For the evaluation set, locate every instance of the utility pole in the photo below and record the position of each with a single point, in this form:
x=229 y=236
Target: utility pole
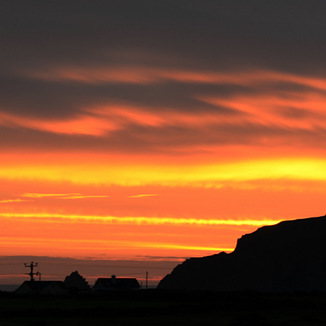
x=146 y=280
x=31 y=273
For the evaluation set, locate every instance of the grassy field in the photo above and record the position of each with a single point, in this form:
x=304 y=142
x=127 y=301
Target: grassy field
x=153 y=307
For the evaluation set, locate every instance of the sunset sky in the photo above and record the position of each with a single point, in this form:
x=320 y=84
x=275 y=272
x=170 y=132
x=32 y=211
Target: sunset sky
x=135 y=134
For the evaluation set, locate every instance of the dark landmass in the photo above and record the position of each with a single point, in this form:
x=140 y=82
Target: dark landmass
x=275 y=277
x=289 y=256
x=165 y=307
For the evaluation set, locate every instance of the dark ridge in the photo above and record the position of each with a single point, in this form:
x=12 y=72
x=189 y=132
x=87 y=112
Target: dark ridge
x=288 y=256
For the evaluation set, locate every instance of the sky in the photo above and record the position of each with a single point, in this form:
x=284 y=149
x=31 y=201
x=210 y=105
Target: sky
x=136 y=134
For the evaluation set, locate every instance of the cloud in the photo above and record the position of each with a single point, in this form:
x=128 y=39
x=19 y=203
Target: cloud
x=295 y=111
x=37 y=195
x=9 y=201
x=85 y=196
x=62 y=196
x=143 y=195
x=79 y=125
x=133 y=44
x=139 y=220
x=167 y=174
x=210 y=33
x=253 y=107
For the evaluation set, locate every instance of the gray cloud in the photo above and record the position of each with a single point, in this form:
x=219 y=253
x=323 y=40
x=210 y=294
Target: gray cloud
x=49 y=99
x=165 y=139
x=209 y=36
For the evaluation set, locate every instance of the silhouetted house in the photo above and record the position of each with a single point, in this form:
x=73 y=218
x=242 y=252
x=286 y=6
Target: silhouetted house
x=42 y=287
x=115 y=283
x=76 y=283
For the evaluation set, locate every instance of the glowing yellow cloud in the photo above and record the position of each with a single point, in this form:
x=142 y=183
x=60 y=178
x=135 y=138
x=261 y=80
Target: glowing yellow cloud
x=194 y=175
x=103 y=244
x=63 y=196
x=176 y=246
x=143 y=195
x=7 y=201
x=37 y=195
x=85 y=196
x=139 y=220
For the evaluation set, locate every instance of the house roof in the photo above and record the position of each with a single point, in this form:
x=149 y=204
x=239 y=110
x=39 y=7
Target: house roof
x=38 y=286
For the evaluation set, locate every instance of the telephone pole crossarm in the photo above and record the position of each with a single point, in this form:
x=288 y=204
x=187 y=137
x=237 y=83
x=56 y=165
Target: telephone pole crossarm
x=31 y=273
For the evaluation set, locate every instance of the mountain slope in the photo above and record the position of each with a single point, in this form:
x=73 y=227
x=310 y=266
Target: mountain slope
x=289 y=256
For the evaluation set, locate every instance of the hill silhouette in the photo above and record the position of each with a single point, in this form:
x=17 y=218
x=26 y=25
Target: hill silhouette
x=288 y=256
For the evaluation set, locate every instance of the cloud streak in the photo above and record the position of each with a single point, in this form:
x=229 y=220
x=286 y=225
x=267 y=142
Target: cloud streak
x=62 y=196
x=9 y=201
x=208 y=175
x=250 y=106
x=139 y=220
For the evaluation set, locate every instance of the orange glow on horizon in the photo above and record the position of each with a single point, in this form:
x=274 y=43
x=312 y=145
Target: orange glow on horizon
x=103 y=245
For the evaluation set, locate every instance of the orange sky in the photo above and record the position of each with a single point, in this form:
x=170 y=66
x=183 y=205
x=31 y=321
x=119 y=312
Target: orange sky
x=62 y=208
x=123 y=142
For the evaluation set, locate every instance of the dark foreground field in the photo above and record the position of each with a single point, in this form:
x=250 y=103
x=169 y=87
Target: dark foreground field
x=153 y=307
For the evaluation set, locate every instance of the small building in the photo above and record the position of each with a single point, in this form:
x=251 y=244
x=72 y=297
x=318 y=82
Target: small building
x=43 y=288
x=76 y=283
x=114 y=283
